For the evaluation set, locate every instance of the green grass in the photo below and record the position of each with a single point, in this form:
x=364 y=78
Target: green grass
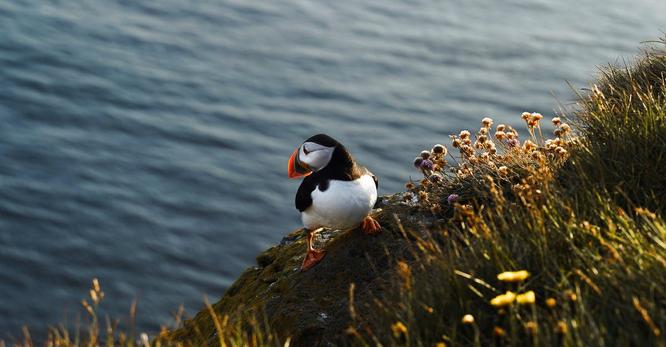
x=582 y=213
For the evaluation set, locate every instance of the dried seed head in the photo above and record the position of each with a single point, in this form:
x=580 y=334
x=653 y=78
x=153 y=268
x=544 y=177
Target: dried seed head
x=425 y=154
x=525 y=116
x=439 y=149
x=565 y=127
x=93 y=296
x=501 y=127
x=500 y=135
x=528 y=145
x=557 y=132
x=483 y=131
x=417 y=162
x=482 y=139
x=537 y=116
x=467 y=150
x=503 y=170
x=464 y=134
x=456 y=143
x=95 y=285
x=557 y=121
x=410 y=185
x=487 y=122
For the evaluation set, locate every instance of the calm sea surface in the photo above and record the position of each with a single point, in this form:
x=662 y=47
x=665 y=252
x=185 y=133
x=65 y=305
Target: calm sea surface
x=145 y=142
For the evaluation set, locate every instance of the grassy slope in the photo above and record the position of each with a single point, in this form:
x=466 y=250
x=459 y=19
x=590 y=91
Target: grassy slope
x=589 y=229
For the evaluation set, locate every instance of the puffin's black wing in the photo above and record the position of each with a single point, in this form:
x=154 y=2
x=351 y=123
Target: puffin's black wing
x=304 y=193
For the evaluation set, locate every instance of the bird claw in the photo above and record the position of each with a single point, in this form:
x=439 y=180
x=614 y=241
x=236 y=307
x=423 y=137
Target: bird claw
x=312 y=258
x=370 y=226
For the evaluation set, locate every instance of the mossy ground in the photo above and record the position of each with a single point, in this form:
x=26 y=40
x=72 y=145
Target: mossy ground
x=583 y=214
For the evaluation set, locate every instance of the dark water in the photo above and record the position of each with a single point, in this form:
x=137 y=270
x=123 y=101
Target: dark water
x=145 y=143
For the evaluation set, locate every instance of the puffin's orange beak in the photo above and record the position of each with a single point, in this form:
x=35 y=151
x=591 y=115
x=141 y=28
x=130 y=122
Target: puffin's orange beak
x=296 y=168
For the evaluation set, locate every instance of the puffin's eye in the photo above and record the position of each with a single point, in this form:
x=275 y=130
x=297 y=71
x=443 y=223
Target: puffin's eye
x=305 y=150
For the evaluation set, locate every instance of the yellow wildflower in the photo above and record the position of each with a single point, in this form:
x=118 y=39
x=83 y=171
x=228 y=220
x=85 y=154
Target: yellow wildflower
x=468 y=319
x=513 y=276
x=398 y=329
x=526 y=298
x=503 y=299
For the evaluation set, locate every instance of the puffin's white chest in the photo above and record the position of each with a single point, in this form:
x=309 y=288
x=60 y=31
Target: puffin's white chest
x=343 y=205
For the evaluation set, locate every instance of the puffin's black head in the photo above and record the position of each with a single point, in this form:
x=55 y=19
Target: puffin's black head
x=313 y=155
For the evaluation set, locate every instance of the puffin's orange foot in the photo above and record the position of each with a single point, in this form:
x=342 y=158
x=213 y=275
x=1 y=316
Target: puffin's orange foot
x=312 y=257
x=370 y=226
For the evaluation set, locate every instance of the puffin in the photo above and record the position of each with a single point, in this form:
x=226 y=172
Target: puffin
x=336 y=192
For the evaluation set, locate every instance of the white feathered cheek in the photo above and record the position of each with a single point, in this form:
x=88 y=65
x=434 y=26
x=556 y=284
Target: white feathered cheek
x=315 y=155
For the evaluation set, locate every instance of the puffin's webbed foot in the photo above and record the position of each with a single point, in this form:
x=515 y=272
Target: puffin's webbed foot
x=313 y=256
x=370 y=226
